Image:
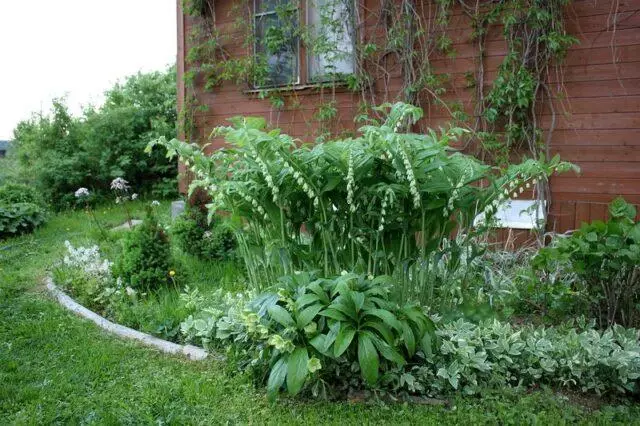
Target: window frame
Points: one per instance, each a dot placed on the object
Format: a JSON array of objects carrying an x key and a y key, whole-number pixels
[
  {"x": 300, "y": 47},
  {"x": 308, "y": 53},
  {"x": 303, "y": 80}
]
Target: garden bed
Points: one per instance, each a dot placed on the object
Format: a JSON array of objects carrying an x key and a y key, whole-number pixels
[
  {"x": 51, "y": 359},
  {"x": 191, "y": 352}
]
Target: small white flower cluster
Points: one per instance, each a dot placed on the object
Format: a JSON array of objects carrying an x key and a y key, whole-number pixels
[
  {"x": 399, "y": 122},
  {"x": 413, "y": 186},
  {"x": 351, "y": 186},
  {"x": 119, "y": 184},
  {"x": 387, "y": 201},
  {"x": 518, "y": 185},
  {"x": 81, "y": 193},
  {"x": 87, "y": 259},
  {"x": 254, "y": 203},
  {"x": 455, "y": 193},
  {"x": 268, "y": 178},
  {"x": 155, "y": 203},
  {"x": 389, "y": 155},
  {"x": 305, "y": 187},
  {"x": 513, "y": 189}
]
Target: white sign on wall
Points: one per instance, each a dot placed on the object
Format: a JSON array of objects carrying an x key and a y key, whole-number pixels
[{"x": 517, "y": 214}]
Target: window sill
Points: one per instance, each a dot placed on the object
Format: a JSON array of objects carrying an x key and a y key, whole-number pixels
[{"x": 339, "y": 86}]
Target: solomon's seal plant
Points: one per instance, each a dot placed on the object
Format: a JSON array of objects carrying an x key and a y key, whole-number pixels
[{"x": 354, "y": 204}]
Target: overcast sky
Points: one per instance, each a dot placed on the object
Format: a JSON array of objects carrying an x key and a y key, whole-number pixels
[{"x": 49, "y": 48}]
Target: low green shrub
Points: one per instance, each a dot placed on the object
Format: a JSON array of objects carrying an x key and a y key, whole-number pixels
[
  {"x": 87, "y": 276},
  {"x": 472, "y": 357},
  {"x": 606, "y": 258},
  {"x": 196, "y": 236},
  {"x": 313, "y": 330},
  {"x": 145, "y": 261},
  {"x": 20, "y": 218},
  {"x": 14, "y": 193}
]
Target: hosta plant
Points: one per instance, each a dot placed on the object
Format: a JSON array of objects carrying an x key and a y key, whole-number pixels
[
  {"x": 315, "y": 323},
  {"x": 377, "y": 204}
]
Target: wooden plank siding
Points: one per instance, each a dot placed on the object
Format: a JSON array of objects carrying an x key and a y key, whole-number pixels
[{"x": 597, "y": 123}]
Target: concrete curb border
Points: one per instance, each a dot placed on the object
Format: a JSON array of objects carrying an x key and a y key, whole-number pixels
[{"x": 192, "y": 352}]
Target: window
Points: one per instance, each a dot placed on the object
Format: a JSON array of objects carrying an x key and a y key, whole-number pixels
[
  {"x": 331, "y": 29},
  {"x": 329, "y": 53},
  {"x": 277, "y": 43}
]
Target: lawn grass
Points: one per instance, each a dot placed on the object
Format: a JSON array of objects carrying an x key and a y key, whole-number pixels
[{"x": 57, "y": 368}]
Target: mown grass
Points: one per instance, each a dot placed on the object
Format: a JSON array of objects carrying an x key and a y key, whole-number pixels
[{"x": 57, "y": 368}]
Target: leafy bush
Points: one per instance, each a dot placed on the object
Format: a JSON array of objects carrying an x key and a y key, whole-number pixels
[
  {"x": 473, "y": 357},
  {"x": 61, "y": 153},
  {"x": 354, "y": 204},
  {"x": 145, "y": 260},
  {"x": 196, "y": 236},
  {"x": 316, "y": 322},
  {"x": 13, "y": 193},
  {"x": 310, "y": 335},
  {"x": 606, "y": 257},
  {"x": 20, "y": 218},
  {"x": 311, "y": 329}
]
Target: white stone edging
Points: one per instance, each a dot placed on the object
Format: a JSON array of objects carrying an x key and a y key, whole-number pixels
[{"x": 192, "y": 352}]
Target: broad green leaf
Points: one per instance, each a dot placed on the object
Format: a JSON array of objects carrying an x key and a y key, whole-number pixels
[
  {"x": 387, "y": 317},
  {"x": 426, "y": 344},
  {"x": 331, "y": 335},
  {"x": 306, "y": 299},
  {"x": 281, "y": 315},
  {"x": 409, "y": 338},
  {"x": 318, "y": 342},
  {"x": 334, "y": 314},
  {"x": 343, "y": 340},
  {"x": 388, "y": 352},
  {"x": 276, "y": 378},
  {"x": 343, "y": 305},
  {"x": 382, "y": 329},
  {"x": 308, "y": 314},
  {"x": 297, "y": 370},
  {"x": 358, "y": 300},
  {"x": 368, "y": 358}
]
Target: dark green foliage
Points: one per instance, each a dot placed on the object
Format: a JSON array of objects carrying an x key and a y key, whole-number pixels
[
  {"x": 146, "y": 256},
  {"x": 324, "y": 325},
  {"x": 20, "y": 218},
  {"x": 196, "y": 236},
  {"x": 13, "y": 193},
  {"x": 61, "y": 153},
  {"x": 606, "y": 257},
  {"x": 135, "y": 112}
]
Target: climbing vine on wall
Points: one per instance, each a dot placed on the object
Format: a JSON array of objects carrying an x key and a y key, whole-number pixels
[{"x": 402, "y": 39}]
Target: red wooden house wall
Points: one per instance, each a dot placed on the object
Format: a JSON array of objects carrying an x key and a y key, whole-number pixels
[{"x": 597, "y": 123}]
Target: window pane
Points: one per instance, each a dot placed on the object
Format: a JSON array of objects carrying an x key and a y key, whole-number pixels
[
  {"x": 263, "y": 6},
  {"x": 277, "y": 45},
  {"x": 332, "y": 47}
]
